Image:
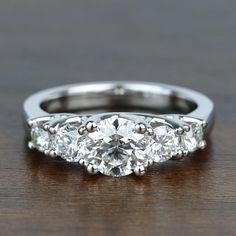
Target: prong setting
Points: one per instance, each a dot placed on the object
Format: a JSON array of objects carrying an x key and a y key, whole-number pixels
[
  {"x": 52, "y": 153},
  {"x": 204, "y": 124},
  {"x": 140, "y": 170},
  {"x": 46, "y": 152},
  {"x": 82, "y": 130},
  {"x": 53, "y": 130},
  {"x": 202, "y": 144},
  {"x": 92, "y": 169},
  {"x": 141, "y": 128},
  {"x": 185, "y": 153},
  {"x": 163, "y": 138},
  {"x": 150, "y": 131},
  {"x": 91, "y": 126},
  {"x": 179, "y": 131},
  {"x": 30, "y": 123},
  {"x": 31, "y": 145},
  {"x": 82, "y": 162},
  {"x": 179, "y": 154},
  {"x": 150, "y": 162},
  {"x": 186, "y": 128}
]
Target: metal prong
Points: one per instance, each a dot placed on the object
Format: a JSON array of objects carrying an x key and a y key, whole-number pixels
[
  {"x": 150, "y": 162},
  {"x": 52, "y": 153},
  {"x": 202, "y": 144},
  {"x": 53, "y": 130},
  {"x": 46, "y": 152},
  {"x": 186, "y": 128},
  {"x": 150, "y": 131},
  {"x": 178, "y": 155},
  {"x": 92, "y": 169},
  {"x": 82, "y": 162},
  {"x": 46, "y": 127},
  {"x": 185, "y": 153},
  {"x": 179, "y": 131},
  {"x": 30, "y": 123},
  {"x": 30, "y": 145},
  {"x": 82, "y": 130},
  {"x": 141, "y": 128},
  {"x": 204, "y": 124},
  {"x": 91, "y": 126},
  {"x": 140, "y": 170}
]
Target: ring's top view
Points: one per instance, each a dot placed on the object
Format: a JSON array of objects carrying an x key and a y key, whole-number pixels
[{"x": 118, "y": 128}]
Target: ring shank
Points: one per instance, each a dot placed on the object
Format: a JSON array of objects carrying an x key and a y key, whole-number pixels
[{"x": 154, "y": 98}]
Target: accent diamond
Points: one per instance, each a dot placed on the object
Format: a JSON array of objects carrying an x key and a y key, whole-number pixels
[
  {"x": 65, "y": 143},
  {"x": 166, "y": 143},
  {"x": 40, "y": 137},
  {"x": 194, "y": 137}
]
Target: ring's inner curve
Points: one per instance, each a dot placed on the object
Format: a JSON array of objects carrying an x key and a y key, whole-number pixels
[{"x": 119, "y": 98}]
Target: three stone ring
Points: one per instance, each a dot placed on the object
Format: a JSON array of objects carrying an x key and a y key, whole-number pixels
[{"x": 118, "y": 128}]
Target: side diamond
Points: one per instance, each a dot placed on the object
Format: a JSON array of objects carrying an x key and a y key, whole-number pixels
[
  {"x": 65, "y": 143},
  {"x": 166, "y": 143},
  {"x": 193, "y": 139},
  {"x": 40, "y": 137}
]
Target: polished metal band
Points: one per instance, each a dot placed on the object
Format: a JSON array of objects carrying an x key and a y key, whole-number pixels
[
  {"x": 117, "y": 128},
  {"x": 156, "y": 98}
]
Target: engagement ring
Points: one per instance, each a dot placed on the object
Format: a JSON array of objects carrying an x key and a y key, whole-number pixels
[{"x": 118, "y": 128}]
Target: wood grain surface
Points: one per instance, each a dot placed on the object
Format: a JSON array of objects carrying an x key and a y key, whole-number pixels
[{"x": 48, "y": 42}]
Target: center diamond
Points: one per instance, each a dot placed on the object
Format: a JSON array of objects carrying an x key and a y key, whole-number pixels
[{"x": 115, "y": 148}]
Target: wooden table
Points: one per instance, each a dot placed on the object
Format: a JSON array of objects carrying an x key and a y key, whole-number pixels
[{"x": 46, "y": 43}]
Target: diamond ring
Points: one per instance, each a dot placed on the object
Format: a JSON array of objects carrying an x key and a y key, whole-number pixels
[{"x": 118, "y": 128}]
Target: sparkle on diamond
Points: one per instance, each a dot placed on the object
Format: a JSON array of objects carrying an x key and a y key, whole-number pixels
[{"x": 115, "y": 148}]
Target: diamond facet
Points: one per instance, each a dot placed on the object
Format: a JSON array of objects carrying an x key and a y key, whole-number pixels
[{"x": 115, "y": 148}]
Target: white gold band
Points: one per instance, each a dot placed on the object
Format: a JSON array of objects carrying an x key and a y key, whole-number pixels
[{"x": 135, "y": 124}]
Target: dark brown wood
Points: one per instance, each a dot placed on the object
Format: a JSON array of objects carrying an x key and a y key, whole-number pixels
[{"x": 45, "y": 43}]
